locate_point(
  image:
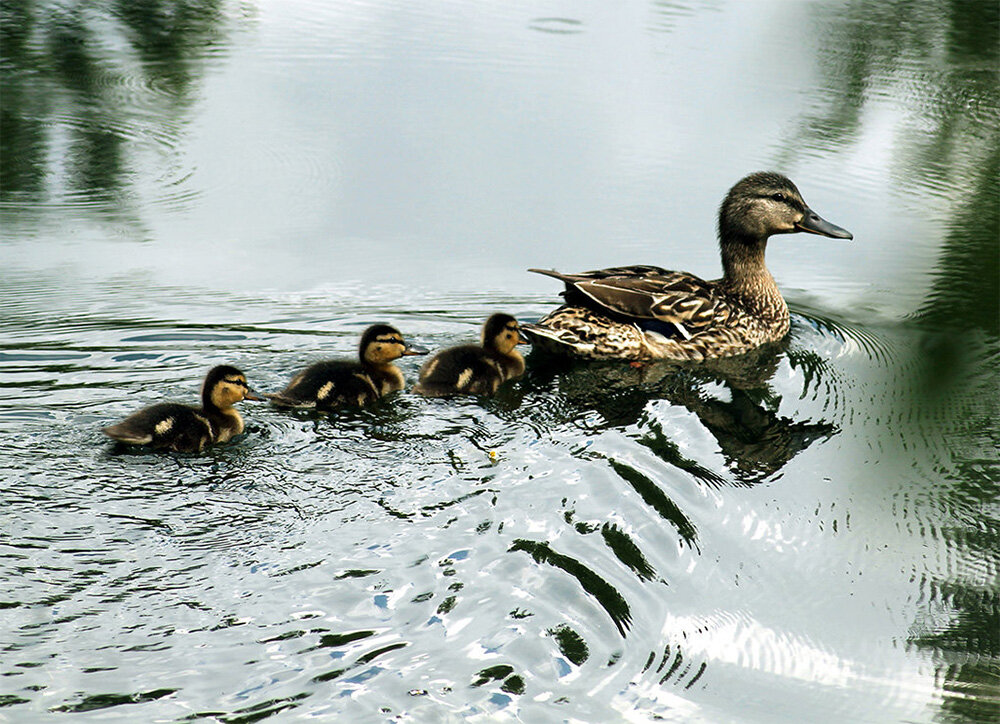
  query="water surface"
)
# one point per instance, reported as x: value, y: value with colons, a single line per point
x: 808, y: 533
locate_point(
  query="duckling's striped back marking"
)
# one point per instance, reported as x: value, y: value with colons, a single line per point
x: 164, y: 426
x: 323, y: 391
x: 463, y: 378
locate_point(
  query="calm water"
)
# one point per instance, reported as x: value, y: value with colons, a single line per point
x: 806, y: 534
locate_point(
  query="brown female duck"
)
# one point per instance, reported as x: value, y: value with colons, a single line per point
x: 645, y: 312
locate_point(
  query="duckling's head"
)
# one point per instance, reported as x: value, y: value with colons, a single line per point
x: 502, y: 333
x: 766, y: 203
x: 224, y: 386
x: 381, y: 344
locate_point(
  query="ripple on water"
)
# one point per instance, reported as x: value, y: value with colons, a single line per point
x: 557, y: 26
x: 446, y: 555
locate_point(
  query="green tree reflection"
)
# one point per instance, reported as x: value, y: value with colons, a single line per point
x: 942, y: 55
x: 88, y: 84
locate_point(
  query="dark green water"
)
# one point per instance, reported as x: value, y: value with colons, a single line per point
x: 810, y: 533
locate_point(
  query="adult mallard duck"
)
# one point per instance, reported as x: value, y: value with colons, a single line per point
x: 472, y: 369
x: 645, y: 312
x: 348, y: 383
x: 183, y: 428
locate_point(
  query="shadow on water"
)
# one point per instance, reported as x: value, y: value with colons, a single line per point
x: 77, y: 109
x: 730, y: 398
x: 610, y: 599
x: 950, y: 149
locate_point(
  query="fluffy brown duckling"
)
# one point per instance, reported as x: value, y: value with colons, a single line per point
x: 471, y: 369
x: 183, y: 428
x: 346, y: 383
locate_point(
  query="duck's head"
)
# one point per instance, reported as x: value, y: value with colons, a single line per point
x: 502, y: 333
x: 381, y: 344
x: 224, y: 386
x: 767, y: 203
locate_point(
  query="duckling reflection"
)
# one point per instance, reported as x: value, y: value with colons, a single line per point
x: 183, y: 428
x: 345, y: 383
x: 754, y: 440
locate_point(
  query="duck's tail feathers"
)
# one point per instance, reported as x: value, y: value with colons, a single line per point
x: 552, y: 273
x: 429, y: 389
x: 125, y: 434
x: 281, y: 401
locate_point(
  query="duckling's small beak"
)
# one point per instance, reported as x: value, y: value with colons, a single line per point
x: 816, y: 224
x: 251, y: 394
x: 521, y: 339
x: 414, y: 349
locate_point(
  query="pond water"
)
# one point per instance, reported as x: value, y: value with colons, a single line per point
x: 808, y: 533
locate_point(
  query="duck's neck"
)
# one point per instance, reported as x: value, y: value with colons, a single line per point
x: 386, y: 377
x: 226, y: 421
x: 745, y: 275
x: 512, y: 361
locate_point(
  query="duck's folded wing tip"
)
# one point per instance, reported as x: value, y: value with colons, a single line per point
x: 126, y: 434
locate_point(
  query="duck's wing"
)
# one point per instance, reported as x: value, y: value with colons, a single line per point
x: 650, y: 293
x: 329, y: 384
x: 466, y: 369
x: 282, y: 400
x: 163, y: 425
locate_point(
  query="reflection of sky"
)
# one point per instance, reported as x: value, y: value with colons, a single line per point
x: 416, y: 144
x: 734, y: 645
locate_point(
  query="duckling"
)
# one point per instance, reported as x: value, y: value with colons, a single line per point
x: 183, y: 428
x: 476, y: 369
x: 339, y: 383
x: 646, y: 312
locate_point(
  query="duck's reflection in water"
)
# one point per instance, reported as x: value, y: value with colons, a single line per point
x: 732, y: 398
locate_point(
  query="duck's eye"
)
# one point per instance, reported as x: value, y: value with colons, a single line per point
x: 778, y: 197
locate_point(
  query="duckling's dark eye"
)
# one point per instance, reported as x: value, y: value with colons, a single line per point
x: 778, y: 197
